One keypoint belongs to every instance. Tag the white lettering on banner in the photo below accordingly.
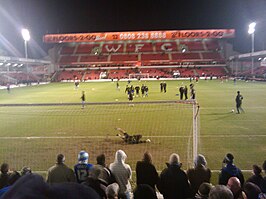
(138, 47)
(112, 48)
(167, 47)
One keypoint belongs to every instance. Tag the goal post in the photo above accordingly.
(33, 134)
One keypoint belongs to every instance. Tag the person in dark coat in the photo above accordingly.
(199, 174)
(230, 170)
(257, 177)
(146, 172)
(173, 181)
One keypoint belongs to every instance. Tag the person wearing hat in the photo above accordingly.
(204, 190)
(60, 172)
(230, 170)
(239, 99)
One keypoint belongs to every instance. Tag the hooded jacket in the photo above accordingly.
(121, 171)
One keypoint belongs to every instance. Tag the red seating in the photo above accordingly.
(119, 57)
(66, 50)
(193, 45)
(93, 59)
(185, 56)
(152, 57)
(212, 56)
(212, 45)
(86, 48)
(68, 59)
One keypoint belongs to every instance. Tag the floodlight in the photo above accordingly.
(251, 28)
(25, 34)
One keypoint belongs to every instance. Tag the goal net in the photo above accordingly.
(32, 135)
(138, 75)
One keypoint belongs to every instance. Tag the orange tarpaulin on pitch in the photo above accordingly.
(143, 35)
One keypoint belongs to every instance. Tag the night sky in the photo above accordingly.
(81, 16)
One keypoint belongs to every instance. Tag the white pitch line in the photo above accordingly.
(107, 136)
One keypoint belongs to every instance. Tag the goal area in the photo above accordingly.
(33, 134)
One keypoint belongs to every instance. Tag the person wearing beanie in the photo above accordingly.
(256, 178)
(60, 172)
(122, 173)
(230, 170)
(173, 181)
(204, 190)
(199, 174)
(82, 168)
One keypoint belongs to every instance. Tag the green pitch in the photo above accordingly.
(220, 132)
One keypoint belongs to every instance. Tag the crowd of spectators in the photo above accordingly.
(86, 180)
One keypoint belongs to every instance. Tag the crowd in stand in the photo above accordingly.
(109, 182)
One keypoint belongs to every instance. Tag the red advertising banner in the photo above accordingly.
(143, 35)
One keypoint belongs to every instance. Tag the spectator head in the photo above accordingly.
(144, 191)
(4, 168)
(229, 158)
(147, 157)
(200, 161)
(120, 156)
(251, 190)
(204, 190)
(60, 159)
(83, 157)
(256, 169)
(25, 170)
(101, 159)
(234, 185)
(174, 159)
(112, 191)
(220, 192)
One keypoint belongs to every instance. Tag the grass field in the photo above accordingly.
(45, 130)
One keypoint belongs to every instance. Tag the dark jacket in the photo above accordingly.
(230, 170)
(146, 174)
(173, 183)
(197, 176)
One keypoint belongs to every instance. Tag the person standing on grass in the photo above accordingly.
(239, 99)
(83, 98)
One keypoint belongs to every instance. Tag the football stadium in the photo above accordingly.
(165, 91)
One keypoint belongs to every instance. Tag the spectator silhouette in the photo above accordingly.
(204, 190)
(122, 173)
(221, 192)
(144, 191)
(106, 177)
(251, 190)
(199, 174)
(146, 172)
(112, 191)
(234, 185)
(4, 176)
(60, 172)
(256, 178)
(230, 170)
(173, 181)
